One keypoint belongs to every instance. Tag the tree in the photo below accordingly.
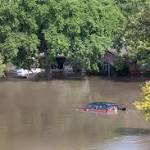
(18, 39)
(8, 23)
(82, 30)
(137, 36)
(136, 30)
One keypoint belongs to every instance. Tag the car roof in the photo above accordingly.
(101, 103)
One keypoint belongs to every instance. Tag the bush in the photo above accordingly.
(2, 67)
(144, 104)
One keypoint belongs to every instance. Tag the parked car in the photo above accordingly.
(20, 73)
(36, 70)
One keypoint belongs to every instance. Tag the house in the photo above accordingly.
(113, 63)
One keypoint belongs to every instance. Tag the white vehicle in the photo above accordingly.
(36, 70)
(20, 73)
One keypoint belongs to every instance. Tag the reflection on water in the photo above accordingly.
(42, 116)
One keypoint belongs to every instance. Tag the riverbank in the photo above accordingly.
(42, 77)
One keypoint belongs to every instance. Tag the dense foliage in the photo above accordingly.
(131, 7)
(2, 67)
(82, 30)
(18, 39)
(136, 30)
(144, 104)
(138, 37)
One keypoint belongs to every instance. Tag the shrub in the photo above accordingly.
(2, 66)
(144, 104)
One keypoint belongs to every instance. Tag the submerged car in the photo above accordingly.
(103, 107)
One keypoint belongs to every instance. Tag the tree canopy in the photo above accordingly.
(136, 30)
(81, 29)
(18, 39)
(137, 36)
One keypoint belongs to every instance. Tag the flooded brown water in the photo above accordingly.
(42, 116)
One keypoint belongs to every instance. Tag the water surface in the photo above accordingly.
(42, 116)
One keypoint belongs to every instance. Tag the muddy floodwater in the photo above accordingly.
(43, 116)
